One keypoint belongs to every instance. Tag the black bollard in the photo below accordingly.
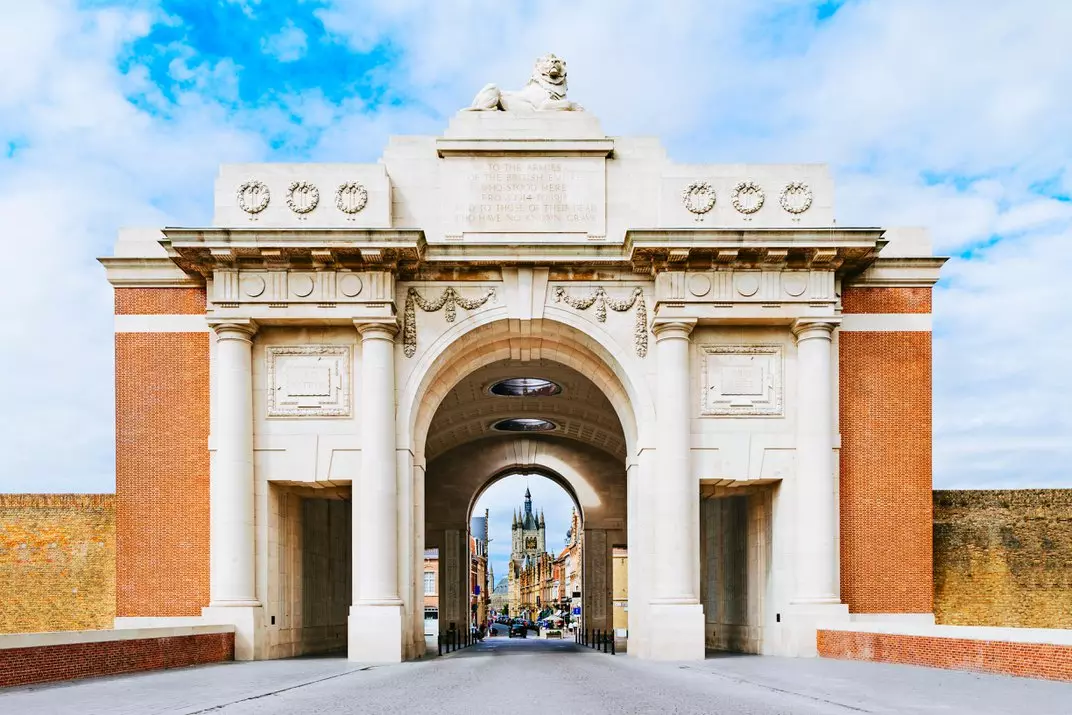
(613, 645)
(439, 644)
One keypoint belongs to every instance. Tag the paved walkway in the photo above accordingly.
(535, 676)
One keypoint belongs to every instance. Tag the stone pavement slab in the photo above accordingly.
(538, 676)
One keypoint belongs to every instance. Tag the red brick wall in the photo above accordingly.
(43, 664)
(1027, 659)
(885, 420)
(162, 462)
(886, 300)
(159, 301)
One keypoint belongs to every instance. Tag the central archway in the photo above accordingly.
(459, 446)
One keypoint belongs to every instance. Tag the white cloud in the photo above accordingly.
(287, 45)
(92, 162)
(939, 114)
(936, 114)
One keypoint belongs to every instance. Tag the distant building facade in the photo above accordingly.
(479, 570)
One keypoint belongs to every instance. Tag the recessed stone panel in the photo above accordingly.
(308, 380)
(741, 380)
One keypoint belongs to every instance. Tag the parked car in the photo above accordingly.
(519, 629)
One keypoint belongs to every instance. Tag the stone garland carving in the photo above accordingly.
(602, 301)
(796, 197)
(253, 197)
(302, 197)
(748, 197)
(351, 197)
(699, 198)
(450, 299)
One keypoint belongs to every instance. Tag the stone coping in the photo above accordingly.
(1048, 636)
(55, 638)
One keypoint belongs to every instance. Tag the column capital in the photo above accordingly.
(233, 328)
(671, 329)
(808, 328)
(377, 329)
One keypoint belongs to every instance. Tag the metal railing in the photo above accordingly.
(598, 639)
(454, 640)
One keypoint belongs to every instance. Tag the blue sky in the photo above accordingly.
(953, 115)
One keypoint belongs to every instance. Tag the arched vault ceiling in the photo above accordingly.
(581, 411)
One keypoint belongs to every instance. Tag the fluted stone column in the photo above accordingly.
(232, 581)
(677, 631)
(375, 631)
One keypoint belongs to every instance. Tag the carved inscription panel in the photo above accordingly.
(308, 380)
(741, 380)
(527, 195)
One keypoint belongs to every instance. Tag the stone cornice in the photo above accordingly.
(846, 250)
(898, 272)
(123, 272)
(199, 251)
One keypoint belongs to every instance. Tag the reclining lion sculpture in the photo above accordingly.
(545, 91)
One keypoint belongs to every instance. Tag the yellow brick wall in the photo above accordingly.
(57, 562)
(1003, 558)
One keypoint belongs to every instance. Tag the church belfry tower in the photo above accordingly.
(528, 532)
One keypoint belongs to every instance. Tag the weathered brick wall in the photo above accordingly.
(43, 664)
(885, 422)
(1033, 660)
(162, 459)
(57, 562)
(1003, 558)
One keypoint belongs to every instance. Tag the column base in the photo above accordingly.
(676, 632)
(250, 635)
(375, 634)
(801, 621)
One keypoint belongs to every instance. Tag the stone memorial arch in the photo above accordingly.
(304, 402)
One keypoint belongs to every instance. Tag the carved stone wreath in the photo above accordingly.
(302, 197)
(351, 197)
(602, 301)
(796, 197)
(698, 197)
(253, 197)
(450, 299)
(748, 197)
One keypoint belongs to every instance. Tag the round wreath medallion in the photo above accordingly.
(253, 197)
(748, 197)
(698, 197)
(351, 197)
(796, 197)
(302, 197)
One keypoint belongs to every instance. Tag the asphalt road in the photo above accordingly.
(521, 676)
